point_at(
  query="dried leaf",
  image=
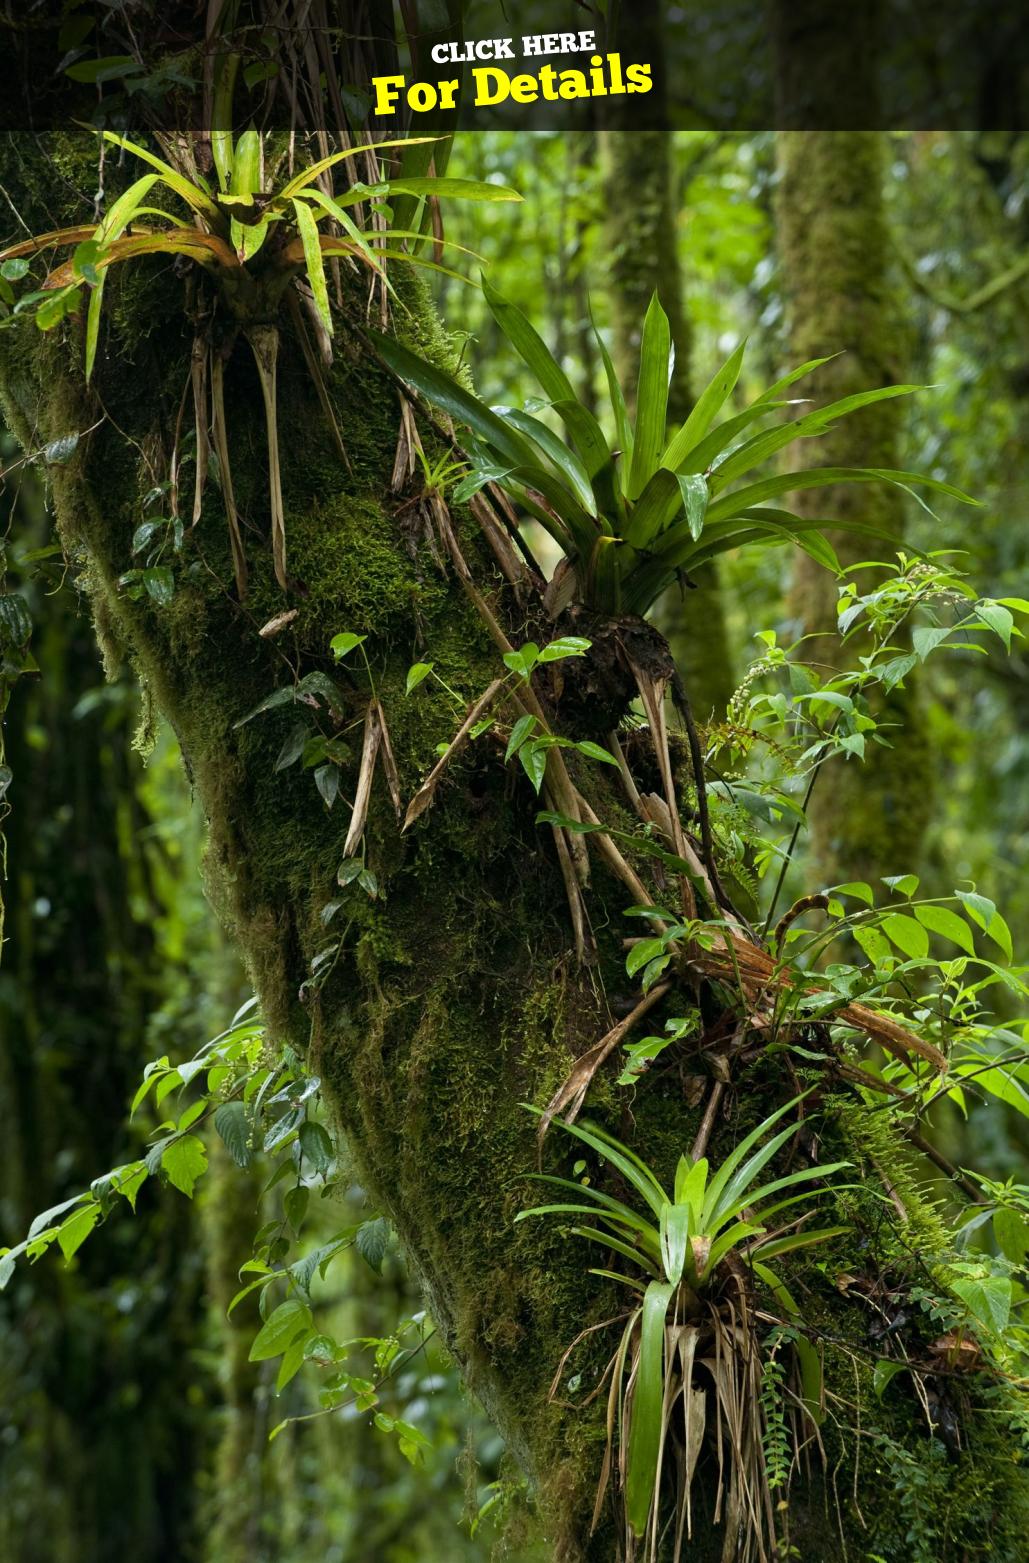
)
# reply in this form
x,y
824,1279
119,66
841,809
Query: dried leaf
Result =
x,y
369,753
278,623
427,791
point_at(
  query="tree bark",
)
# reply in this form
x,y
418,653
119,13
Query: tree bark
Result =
x,y
834,250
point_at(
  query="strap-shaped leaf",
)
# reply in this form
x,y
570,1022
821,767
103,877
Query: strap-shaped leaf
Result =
x,y
197,196
675,1236
620,1156
659,503
444,392
703,455
628,1217
307,175
791,378
453,189
333,209
827,477
794,1240
763,446
623,427
739,1154
113,226
311,240
651,397
709,404
634,1255
647,1400
528,344
246,165
725,1196
555,384
564,460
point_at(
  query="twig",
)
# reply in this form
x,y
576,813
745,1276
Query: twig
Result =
x,y
920,1143
707,1123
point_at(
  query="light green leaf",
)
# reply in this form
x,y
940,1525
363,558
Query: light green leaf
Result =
x,y
288,1322
645,1432
908,935
565,646
183,1162
342,645
73,1233
708,405
902,884
988,1299
926,638
997,618
856,888
418,672
314,261
651,397
938,920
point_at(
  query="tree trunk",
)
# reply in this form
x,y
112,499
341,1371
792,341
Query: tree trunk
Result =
x,y
456,995
834,251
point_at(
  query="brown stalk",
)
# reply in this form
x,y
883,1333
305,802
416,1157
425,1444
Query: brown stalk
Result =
x,y
584,944
389,763
707,1123
264,340
198,369
652,693
221,445
315,370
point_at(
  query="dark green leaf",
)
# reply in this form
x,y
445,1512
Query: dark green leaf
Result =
x,y
372,1240
316,1146
232,1125
160,583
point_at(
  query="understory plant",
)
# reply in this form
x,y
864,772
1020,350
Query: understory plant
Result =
x,y
693,1256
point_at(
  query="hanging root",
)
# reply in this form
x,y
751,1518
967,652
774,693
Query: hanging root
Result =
x,y
264,340
317,373
221,445
199,374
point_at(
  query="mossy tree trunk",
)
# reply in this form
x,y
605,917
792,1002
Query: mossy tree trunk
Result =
x,y
456,994
834,252
641,240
